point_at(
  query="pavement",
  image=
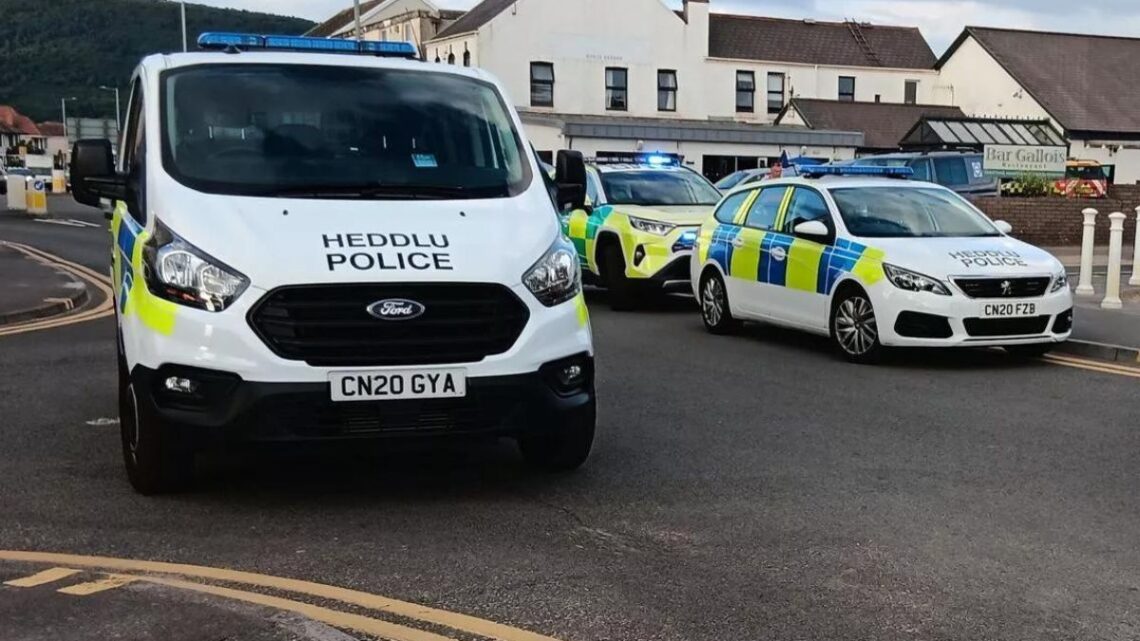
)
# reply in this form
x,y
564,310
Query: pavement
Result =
x,y
744,487
1108,330
32,288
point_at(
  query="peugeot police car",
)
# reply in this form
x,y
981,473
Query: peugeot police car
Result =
x,y
317,246
873,261
636,229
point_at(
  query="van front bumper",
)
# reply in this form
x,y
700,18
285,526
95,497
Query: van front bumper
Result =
x,y
227,409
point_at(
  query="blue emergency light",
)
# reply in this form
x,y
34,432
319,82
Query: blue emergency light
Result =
x,y
247,41
815,171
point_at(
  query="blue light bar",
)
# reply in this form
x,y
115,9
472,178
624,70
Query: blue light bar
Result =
x,y
814,171
247,41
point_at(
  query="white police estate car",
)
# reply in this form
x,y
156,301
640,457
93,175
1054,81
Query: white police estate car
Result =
x,y
872,260
310,246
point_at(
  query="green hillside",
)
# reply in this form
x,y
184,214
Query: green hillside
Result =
x,y
50,49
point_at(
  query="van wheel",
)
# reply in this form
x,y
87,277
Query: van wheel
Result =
x,y
156,463
624,294
715,311
1026,352
854,329
563,449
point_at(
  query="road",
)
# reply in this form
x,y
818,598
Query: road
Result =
x,y
749,487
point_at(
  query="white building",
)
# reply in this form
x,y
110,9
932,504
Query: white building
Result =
x,y
600,75
1084,85
415,21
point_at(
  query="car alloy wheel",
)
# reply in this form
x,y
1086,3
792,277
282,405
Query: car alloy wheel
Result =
x,y
855,327
713,301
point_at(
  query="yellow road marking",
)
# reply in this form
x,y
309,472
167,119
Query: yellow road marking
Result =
x,y
40,578
92,587
452,620
1093,366
102,283
343,620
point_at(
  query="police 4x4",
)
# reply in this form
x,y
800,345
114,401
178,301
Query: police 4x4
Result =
x,y
635,225
872,261
310,246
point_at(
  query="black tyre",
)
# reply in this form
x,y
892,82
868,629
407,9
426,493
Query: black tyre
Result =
x,y
854,329
563,449
1027,352
625,295
156,463
715,311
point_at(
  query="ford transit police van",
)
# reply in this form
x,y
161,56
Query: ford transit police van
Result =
x,y
316,246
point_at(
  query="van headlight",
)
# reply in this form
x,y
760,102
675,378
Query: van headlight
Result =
x,y
651,226
1060,281
556,277
913,281
181,273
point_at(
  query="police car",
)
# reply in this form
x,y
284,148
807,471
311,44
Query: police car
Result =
x,y
635,226
871,260
311,246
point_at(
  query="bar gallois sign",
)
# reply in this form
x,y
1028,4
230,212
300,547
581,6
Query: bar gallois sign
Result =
x,y
1009,160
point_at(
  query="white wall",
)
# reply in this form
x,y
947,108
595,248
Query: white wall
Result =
x,y
982,87
1127,161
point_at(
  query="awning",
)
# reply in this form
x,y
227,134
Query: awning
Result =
x,y
978,132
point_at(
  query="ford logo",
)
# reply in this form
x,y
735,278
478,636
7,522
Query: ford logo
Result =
x,y
396,309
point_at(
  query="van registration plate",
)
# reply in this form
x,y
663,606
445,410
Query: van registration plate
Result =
x,y
394,385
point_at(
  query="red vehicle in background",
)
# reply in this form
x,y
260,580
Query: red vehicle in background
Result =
x,y
1083,179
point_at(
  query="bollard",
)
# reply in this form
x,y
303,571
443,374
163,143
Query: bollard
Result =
x,y
1135,280
1088,240
1115,241
37,197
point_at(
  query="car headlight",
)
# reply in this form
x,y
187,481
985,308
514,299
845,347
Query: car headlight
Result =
x,y
651,226
1060,281
913,281
556,277
181,273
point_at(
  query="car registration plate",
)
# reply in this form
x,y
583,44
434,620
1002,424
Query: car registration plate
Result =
x,y
394,385
1009,310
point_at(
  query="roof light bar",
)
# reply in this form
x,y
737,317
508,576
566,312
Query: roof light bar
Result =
x,y
815,171
653,159
247,41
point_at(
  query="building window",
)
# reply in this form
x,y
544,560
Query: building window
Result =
x,y
666,90
847,88
617,88
466,58
745,92
775,93
911,93
541,84
451,58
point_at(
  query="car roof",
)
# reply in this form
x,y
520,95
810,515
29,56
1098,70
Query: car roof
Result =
x,y
825,183
194,58
918,154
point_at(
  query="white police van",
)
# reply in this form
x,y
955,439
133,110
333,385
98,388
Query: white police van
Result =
x,y
313,246
870,260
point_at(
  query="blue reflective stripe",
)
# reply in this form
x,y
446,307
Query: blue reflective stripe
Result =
x,y
777,270
720,249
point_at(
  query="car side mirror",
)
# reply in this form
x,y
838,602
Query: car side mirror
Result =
x,y
812,229
1003,226
570,176
93,173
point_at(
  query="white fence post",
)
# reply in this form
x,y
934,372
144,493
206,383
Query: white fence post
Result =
x,y
1088,240
1115,243
1135,280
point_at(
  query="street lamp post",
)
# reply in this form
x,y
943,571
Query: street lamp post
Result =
x,y
184,47
63,109
356,18
118,115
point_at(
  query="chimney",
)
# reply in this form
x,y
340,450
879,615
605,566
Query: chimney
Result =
x,y
696,14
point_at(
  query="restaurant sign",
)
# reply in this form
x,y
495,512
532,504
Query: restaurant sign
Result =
x,y
1013,160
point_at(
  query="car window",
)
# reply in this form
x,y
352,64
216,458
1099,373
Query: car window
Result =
x,y
731,180
892,212
728,208
658,188
976,170
806,205
762,214
592,189
921,168
951,170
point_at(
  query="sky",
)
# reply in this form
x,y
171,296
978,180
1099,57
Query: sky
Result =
x,y
939,20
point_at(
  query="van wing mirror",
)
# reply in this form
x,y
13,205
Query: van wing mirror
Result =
x,y
93,173
570,175
812,229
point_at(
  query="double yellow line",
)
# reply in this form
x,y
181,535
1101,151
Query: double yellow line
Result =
x,y
290,595
1092,366
100,282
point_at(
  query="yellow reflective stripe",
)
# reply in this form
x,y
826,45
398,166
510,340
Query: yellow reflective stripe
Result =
x,y
583,311
803,265
577,225
783,211
704,241
742,213
155,313
746,258
869,268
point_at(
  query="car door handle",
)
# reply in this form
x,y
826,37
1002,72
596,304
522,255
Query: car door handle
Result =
x,y
738,242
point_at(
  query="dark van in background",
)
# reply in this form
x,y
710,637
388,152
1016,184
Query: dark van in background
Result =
x,y
959,171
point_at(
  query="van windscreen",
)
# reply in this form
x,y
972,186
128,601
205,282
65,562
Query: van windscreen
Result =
x,y
308,131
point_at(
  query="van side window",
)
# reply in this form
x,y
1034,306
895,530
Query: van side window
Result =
x,y
951,170
921,168
731,205
134,152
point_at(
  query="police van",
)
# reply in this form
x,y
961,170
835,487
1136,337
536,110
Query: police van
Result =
x,y
636,221
871,260
312,246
